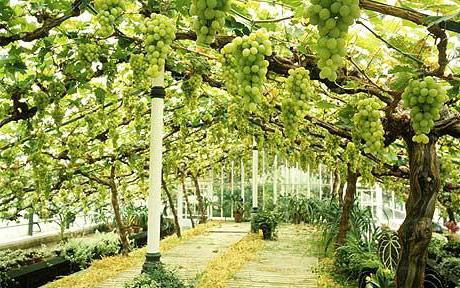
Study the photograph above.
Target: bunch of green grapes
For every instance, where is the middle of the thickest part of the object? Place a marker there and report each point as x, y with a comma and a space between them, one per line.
230, 74
192, 84
89, 52
425, 99
209, 18
332, 17
139, 65
299, 91
108, 12
248, 53
159, 33
368, 125
298, 84
290, 116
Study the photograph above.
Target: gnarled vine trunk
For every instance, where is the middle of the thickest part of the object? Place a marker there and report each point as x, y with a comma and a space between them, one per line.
187, 202
201, 206
415, 232
173, 208
116, 211
349, 199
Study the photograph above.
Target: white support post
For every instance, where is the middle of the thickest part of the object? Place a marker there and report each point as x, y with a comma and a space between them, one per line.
242, 180
379, 204
289, 176
180, 202
275, 179
263, 179
308, 182
155, 169
283, 185
320, 181
296, 179
255, 168
222, 192
393, 205
331, 182
231, 187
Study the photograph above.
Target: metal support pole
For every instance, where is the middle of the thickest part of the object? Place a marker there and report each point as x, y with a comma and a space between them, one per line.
155, 166
255, 168
231, 188
275, 179
222, 192
320, 181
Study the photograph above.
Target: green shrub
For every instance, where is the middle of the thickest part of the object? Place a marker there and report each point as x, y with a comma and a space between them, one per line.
382, 279
13, 259
157, 277
450, 269
356, 255
436, 246
267, 221
83, 251
453, 248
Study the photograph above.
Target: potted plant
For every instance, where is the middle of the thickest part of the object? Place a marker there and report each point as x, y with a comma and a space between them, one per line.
238, 208
267, 221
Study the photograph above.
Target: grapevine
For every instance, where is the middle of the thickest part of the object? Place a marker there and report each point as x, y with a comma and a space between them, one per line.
424, 98
368, 125
209, 18
159, 32
300, 91
108, 12
333, 18
247, 56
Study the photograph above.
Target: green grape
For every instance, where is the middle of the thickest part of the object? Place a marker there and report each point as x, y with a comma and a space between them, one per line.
367, 125
332, 18
299, 91
192, 85
425, 99
138, 65
108, 13
245, 67
209, 18
89, 52
159, 33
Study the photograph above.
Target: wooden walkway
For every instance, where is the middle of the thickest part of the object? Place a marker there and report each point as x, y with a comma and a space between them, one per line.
285, 263
190, 257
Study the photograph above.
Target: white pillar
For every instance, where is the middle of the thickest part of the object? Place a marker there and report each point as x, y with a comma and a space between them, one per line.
242, 179
393, 205
289, 174
255, 168
222, 192
231, 188
275, 179
296, 179
308, 182
263, 179
320, 181
155, 167
379, 204
283, 185
180, 202
331, 183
